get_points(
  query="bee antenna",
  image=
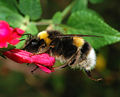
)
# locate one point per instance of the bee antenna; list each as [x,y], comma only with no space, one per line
[27,34]
[90,76]
[30,36]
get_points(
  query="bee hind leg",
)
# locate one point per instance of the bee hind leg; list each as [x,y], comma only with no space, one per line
[61,67]
[66,64]
[91,77]
[73,60]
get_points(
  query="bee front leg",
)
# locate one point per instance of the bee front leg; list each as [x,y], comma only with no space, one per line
[30,36]
[41,52]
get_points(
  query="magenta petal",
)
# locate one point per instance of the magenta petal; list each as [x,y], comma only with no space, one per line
[5,33]
[43,59]
[19,56]
[11,56]
[22,56]
[3,44]
[52,59]
[19,31]
[4,22]
[45,69]
[14,41]
[16,33]
[8,34]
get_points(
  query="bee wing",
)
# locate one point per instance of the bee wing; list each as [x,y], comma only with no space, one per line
[74,35]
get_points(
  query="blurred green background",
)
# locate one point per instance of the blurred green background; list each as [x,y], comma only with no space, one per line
[17,81]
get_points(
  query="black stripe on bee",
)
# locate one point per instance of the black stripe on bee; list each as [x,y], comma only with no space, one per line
[85,48]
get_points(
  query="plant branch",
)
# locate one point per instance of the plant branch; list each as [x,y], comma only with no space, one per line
[67,10]
[43,22]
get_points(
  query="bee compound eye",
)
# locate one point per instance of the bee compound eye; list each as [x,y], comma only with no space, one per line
[34,43]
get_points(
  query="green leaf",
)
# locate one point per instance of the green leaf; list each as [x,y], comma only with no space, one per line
[31,8]
[8,48]
[57,18]
[80,5]
[32,29]
[14,19]
[4,11]
[96,1]
[21,43]
[84,22]
[11,4]
[89,21]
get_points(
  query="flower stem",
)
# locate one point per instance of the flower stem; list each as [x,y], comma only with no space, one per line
[67,10]
[43,22]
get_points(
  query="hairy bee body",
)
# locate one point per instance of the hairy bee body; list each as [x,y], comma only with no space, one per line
[73,51]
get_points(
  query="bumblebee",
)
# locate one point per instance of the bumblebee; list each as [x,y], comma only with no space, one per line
[71,49]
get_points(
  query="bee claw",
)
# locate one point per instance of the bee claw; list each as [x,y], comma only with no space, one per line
[90,76]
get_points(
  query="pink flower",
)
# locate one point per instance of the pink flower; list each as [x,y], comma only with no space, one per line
[8,34]
[5,32]
[45,69]
[16,33]
[43,61]
[19,56]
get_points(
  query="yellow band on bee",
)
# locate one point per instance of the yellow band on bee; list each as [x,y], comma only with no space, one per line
[78,41]
[44,35]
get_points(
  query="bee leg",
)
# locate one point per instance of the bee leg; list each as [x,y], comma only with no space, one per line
[34,69]
[29,36]
[22,39]
[61,67]
[64,65]
[70,62]
[90,76]
[75,59]
[47,49]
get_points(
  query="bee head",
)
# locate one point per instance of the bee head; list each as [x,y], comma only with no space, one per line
[45,36]
[33,45]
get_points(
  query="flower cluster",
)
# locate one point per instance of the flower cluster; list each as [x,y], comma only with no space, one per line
[11,36]
[43,61]
[8,34]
